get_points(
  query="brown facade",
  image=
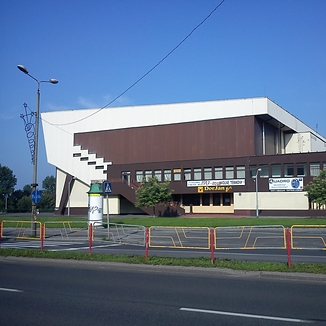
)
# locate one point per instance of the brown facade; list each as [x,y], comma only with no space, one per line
[187,141]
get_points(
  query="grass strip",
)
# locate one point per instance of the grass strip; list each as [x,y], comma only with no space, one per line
[167,261]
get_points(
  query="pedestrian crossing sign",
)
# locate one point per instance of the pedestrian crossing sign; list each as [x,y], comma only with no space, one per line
[107,187]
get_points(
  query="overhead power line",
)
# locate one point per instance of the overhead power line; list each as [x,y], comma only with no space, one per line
[148,72]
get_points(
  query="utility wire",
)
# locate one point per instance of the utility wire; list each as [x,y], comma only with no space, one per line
[148,72]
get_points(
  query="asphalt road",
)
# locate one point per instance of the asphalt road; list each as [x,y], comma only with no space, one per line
[41,292]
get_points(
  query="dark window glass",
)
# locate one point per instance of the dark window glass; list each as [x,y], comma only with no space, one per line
[205,199]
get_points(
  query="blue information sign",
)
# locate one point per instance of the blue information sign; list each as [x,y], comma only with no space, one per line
[36,196]
[107,188]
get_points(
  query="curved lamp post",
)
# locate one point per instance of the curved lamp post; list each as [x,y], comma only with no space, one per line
[37,120]
[257,212]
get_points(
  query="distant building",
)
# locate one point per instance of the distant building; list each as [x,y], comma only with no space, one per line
[212,152]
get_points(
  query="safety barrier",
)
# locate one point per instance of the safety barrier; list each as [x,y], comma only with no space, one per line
[179,237]
[219,238]
[308,237]
[66,230]
[250,237]
[24,230]
[121,234]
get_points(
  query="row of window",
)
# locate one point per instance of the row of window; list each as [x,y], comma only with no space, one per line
[287,170]
[233,172]
[214,199]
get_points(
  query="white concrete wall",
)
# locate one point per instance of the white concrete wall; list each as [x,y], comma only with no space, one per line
[114,205]
[271,201]
[59,184]
[79,195]
[303,142]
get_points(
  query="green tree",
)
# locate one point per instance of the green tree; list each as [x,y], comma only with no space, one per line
[151,192]
[7,184]
[48,184]
[47,201]
[316,189]
[24,204]
[48,193]
[27,190]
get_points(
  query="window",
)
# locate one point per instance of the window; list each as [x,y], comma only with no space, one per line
[187,174]
[229,172]
[197,173]
[191,199]
[218,172]
[324,166]
[226,199]
[264,173]
[253,171]
[301,169]
[314,169]
[148,174]
[167,175]
[276,170]
[241,172]
[207,173]
[289,170]
[177,174]
[139,176]
[217,199]
[205,199]
[158,175]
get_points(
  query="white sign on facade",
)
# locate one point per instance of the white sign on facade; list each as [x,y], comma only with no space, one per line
[212,183]
[285,184]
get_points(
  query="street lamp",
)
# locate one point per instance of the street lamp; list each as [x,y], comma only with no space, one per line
[37,119]
[257,212]
[73,178]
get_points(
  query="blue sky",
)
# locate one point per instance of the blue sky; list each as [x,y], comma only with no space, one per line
[97,49]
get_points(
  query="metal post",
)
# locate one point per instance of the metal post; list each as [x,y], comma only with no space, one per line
[90,230]
[257,211]
[146,242]
[73,178]
[34,183]
[37,120]
[108,215]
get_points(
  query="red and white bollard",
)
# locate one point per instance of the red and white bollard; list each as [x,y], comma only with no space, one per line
[288,245]
[90,235]
[42,236]
[212,244]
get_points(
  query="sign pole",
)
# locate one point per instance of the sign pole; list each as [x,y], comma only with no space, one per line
[108,215]
[107,189]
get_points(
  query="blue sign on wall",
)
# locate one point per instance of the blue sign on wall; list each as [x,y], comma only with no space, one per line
[36,196]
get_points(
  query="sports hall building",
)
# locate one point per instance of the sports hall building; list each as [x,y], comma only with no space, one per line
[222,158]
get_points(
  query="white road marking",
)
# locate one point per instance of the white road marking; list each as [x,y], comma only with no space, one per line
[10,290]
[246,315]
[79,248]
